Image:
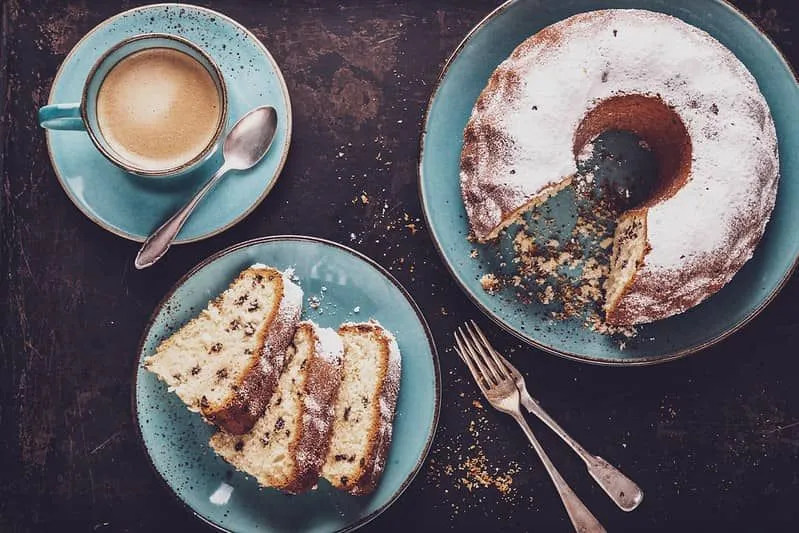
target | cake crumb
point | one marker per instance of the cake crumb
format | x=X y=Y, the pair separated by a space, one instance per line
x=490 y=283
x=477 y=404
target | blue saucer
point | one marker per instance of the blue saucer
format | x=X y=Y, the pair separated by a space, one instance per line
x=131 y=206
x=349 y=287
x=466 y=74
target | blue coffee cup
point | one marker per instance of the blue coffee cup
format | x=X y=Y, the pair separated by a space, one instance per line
x=82 y=116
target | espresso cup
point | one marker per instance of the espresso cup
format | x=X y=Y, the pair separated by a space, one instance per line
x=155 y=105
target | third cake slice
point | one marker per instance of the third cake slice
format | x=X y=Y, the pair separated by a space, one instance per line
x=364 y=411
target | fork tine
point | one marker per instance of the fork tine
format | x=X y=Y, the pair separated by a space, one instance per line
x=475 y=373
x=488 y=376
x=488 y=368
x=498 y=370
x=500 y=361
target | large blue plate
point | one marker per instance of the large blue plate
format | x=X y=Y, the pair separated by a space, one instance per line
x=465 y=75
x=349 y=287
x=132 y=206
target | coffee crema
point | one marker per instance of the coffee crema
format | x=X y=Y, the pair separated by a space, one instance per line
x=158 y=108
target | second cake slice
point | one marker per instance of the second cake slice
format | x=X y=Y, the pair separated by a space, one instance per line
x=287 y=446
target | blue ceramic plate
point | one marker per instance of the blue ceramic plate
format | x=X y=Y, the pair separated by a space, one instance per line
x=465 y=75
x=132 y=206
x=350 y=287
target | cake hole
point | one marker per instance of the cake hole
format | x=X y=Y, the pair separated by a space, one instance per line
x=652 y=121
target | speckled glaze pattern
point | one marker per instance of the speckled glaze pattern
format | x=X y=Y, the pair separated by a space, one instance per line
x=132 y=206
x=347 y=287
x=465 y=75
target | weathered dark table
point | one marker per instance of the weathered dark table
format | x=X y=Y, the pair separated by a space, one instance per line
x=713 y=439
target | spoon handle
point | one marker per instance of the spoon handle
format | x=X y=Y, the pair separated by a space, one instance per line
x=161 y=239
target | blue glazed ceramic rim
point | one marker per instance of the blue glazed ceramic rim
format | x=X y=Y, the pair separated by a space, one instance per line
x=641 y=361
x=284 y=149
x=302 y=238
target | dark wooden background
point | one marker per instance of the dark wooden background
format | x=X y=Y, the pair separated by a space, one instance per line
x=713 y=439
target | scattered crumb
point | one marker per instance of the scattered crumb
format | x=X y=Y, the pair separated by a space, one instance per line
x=477 y=404
x=490 y=283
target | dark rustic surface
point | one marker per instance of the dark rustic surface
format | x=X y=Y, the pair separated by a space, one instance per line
x=713 y=439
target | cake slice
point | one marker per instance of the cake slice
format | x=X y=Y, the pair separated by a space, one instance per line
x=225 y=362
x=365 y=408
x=287 y=446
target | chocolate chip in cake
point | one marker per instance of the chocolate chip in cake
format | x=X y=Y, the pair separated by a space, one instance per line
x=216 y=347
x=347 y=412
x=234 y=324
x=195 y=370
x=239 y=445
x=204 y=402
x=249 y=329
x=221 y=373
x=344 y=480
x=241 y=299
x=254 y=306
x=351 y=458
x=302 y=365
x=279 y=423
x=288 y=433
x=177 y=376
x=362 y=462
x=714 y=109
x=247 y=351
x=364 y=401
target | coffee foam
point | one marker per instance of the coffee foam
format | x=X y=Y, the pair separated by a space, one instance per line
x=158 y=108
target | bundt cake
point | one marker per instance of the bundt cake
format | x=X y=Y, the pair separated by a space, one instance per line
x=288 y=445
x=365 y=407
x=683 y=93
x=225 y=362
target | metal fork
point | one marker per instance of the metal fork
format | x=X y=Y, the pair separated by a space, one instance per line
x=499 y=388
x=621 y=489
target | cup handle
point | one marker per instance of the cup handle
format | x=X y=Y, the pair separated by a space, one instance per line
x=61 y=117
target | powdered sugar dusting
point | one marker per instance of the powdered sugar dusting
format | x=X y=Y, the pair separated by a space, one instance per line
x=329 y=344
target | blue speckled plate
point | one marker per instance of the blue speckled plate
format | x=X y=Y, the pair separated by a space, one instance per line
x=349 y=287
x=132 y=206
x=465 y=75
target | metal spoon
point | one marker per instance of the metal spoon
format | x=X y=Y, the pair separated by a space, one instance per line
x=246 y=144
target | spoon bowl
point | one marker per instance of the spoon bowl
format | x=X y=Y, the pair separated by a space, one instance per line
x=249 y=140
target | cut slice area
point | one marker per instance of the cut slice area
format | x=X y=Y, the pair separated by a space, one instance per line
x=287 y=446
x=365 y=408
x=225 y=362
x=629 y=249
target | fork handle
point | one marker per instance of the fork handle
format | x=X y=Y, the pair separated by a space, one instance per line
x=622 y=490
x=581 y=518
